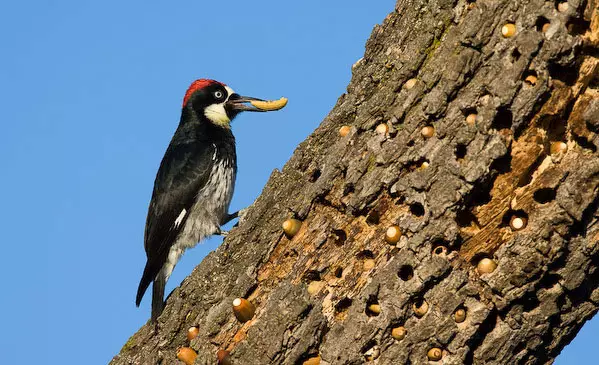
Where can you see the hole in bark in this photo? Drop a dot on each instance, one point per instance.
(440, 247)
(414, 165)
(578, 26)
(541, 24)
(372, 307)
(460, 151)
(503, 119)
(366, 254)
(410, 143)
(526, 176)
(406, 272)
(311, 275)
(315, 175)
(550, 280)
(515, 55)
(348, 189)
(503, 164)
(585, 143)
(339, 236)
(417, 209)
(555, 127)
(338, 272)
(544, 195)
(373, 217)
(465, 218)
(343, 305)
(530, 303)
(567, 74)
(371, 351)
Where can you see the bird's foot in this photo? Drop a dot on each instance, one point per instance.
(238, 214)
(220, 232)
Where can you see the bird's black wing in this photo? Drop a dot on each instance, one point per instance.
(184, 170)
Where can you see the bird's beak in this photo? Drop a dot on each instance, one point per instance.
(237, 103)
(240, 103)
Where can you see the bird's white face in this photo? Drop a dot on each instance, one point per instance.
(216, 112)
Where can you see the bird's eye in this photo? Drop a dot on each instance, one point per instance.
(218, 94)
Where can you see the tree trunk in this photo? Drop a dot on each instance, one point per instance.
(508, 172)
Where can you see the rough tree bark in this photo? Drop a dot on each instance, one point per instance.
(499, 107)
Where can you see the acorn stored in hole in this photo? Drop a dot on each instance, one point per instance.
(393, 235)
(375, 309)
(563, 7)
(223, 357)
(531, 80)
(434, 354)
(420, 309)
(459, 315)
(410, 84)
(369, 264)
(344, 131)
(291, 227)
(428, 131)
(243, 309)
(545, 27)
(557, 147)
(508, 30)
(440, 251)
(192, 332)
(187, 355)
(372, 354)
(518, 223)
(382, 129)
(486, 266)
(471, 118)
(398, 333)
(312, 361)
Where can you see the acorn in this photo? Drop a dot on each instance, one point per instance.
(315, 286)
(374, 308)
(382, 129)
(372, 354)
(223, 357)
(486, 266)
(187, 355)
(424, 165)
(545, 27)
(398, 333)
(530, 80)
(508, 30)
(410, 84)
(369, 264)
(291, 227)
(344, 131)
(563, 7)
(312, 361)
(471, 118)
(428, 131)
(518, 223)
(243, 309)
(440, 251)
(421, 310)
(192, 332)
(434, 354)
(393, 235)
(557, 147)
(459, 315)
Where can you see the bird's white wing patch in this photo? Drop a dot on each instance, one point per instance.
(180, 218)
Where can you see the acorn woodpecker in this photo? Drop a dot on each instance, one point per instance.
(194, 184)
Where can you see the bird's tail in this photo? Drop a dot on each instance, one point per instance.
(158, 296)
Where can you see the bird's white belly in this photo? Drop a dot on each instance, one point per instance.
(206, 214)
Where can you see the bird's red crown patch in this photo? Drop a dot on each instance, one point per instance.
(197, 85)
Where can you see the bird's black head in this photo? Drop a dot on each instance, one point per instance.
(216, 101)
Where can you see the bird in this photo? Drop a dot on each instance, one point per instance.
(194, 183)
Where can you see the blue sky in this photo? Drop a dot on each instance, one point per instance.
(91, 94)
